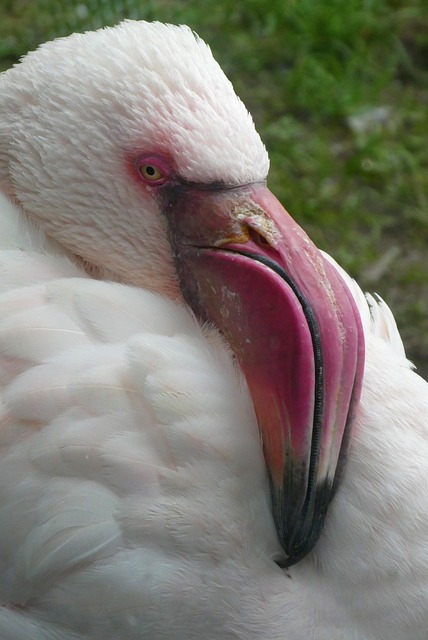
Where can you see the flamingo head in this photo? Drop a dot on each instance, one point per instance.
(129, 147)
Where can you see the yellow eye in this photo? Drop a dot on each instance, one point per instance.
(151, 172)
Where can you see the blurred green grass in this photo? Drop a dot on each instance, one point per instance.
(339, 92)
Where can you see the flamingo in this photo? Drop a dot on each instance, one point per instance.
(207, 431)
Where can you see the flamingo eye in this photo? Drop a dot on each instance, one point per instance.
(153, 170)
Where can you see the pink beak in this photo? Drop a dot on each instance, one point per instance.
(245, 265)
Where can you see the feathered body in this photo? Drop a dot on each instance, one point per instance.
(134, 501)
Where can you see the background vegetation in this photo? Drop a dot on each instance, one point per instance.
(339, 92)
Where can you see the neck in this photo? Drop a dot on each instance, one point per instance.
(19, 231)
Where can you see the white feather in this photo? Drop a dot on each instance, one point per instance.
(133, 496)
(376, 316)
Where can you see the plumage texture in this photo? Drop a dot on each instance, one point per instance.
(133, 496)
(142, 88)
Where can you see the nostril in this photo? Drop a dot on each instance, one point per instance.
(258, 238)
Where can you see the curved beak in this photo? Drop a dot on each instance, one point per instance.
(245, 265)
